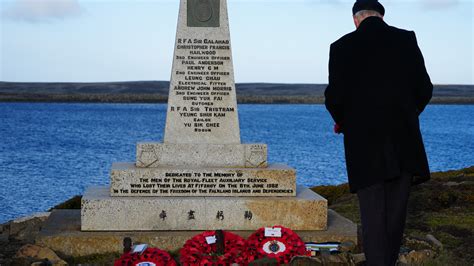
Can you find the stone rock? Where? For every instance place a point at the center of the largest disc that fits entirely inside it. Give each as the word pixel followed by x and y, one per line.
pixel 452 184
pixel 347 246
pixel 417 243
pixel 4 238
pixel 306 261
pixel 336 259
pixel 358 258
pixel 33 252
pixel 4 232
pixel 26 228
pixel 435 242
pixel 416 257
pixel 43 216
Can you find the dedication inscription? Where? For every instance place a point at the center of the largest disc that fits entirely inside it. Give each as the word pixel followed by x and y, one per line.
pixel 275 180
pixel 202 104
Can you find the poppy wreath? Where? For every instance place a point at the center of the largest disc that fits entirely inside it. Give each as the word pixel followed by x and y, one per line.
pixel 151 256
pixel 196 251
pixel 283 248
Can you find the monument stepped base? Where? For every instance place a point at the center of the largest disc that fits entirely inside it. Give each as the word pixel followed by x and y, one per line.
pixel 62 233
pixel 101 212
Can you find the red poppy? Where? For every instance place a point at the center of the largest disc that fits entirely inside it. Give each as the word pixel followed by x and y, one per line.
pixel 198 252
pixel 282 248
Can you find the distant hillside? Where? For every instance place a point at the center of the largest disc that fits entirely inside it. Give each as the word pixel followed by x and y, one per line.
pixel 157 91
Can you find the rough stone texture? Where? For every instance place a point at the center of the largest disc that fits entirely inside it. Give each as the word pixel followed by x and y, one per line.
pixel 35 252
pixel 416 257
pixel 62 233
pixel 202 155
pixel 359 258
pixel 26 228
pixel 101 212
pixel 435 242
pixel 128 180
pixel 202 77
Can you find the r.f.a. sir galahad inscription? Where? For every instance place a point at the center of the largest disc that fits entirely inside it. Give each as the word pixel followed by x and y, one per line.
pixel 202 104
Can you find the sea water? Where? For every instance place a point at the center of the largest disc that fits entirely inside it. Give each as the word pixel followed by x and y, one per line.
pixel 50 152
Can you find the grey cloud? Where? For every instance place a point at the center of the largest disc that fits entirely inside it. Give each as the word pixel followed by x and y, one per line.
pixel 41 10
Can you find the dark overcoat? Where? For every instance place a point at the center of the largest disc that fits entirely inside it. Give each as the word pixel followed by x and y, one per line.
pixel 378 86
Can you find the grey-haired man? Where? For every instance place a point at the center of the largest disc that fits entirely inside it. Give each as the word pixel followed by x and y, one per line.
pixel 378 86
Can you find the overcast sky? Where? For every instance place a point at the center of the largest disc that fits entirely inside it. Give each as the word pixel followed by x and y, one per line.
pixel 272 40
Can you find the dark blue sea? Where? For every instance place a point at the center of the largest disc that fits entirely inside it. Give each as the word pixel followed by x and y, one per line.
pixel 51 152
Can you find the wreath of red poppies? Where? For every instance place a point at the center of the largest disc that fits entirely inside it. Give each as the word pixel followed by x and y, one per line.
pixel 149 257
pixel 197 251
pixel 282 248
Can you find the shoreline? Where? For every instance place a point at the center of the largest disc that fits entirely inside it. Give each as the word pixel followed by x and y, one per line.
pixel 158 92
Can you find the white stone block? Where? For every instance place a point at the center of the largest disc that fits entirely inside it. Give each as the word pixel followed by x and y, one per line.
pixel 101 212
pixel 205 155
pixel 130 181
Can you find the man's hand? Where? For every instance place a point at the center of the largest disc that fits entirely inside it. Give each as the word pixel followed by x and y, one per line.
pixel 337 128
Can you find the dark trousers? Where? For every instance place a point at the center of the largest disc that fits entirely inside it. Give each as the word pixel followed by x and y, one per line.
pixel 383 209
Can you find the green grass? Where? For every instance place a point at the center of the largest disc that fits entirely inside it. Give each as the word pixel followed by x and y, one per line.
pixel 436 207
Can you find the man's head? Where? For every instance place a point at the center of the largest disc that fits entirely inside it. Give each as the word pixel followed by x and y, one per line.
pixel 366 8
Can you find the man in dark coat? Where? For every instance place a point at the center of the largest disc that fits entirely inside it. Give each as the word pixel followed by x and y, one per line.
pixel 378 86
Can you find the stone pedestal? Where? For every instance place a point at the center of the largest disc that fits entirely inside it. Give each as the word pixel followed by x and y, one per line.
pixel 101 212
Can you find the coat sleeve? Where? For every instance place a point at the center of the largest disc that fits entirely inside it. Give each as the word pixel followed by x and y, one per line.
pixel 423 86
pixel 334 93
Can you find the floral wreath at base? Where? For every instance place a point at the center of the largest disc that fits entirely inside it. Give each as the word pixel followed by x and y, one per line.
pixel 197 251
pixel 149 257
pixel 283 248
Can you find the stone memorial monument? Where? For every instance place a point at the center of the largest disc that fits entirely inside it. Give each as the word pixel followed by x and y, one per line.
pixel 201 177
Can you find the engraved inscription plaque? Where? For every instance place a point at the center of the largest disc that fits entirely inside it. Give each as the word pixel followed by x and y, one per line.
pixel 203 13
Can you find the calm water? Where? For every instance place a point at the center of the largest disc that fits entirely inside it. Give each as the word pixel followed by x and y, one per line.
pixel 50 152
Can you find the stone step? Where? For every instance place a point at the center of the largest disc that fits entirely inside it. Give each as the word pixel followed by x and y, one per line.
pixel 127 180
pixel 62 233
pixel 101 212
pixel 201 155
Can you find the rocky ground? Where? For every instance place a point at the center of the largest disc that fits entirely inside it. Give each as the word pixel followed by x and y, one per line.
pixel 440 228
pixel 440 219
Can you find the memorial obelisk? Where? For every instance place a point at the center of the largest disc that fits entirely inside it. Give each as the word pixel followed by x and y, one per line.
pixel 202 105
pixel 201 177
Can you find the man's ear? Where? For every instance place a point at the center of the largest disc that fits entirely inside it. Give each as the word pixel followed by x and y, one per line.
pixel 356 22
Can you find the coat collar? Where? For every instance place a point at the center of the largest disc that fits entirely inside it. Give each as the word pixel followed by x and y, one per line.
pixel 372 23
